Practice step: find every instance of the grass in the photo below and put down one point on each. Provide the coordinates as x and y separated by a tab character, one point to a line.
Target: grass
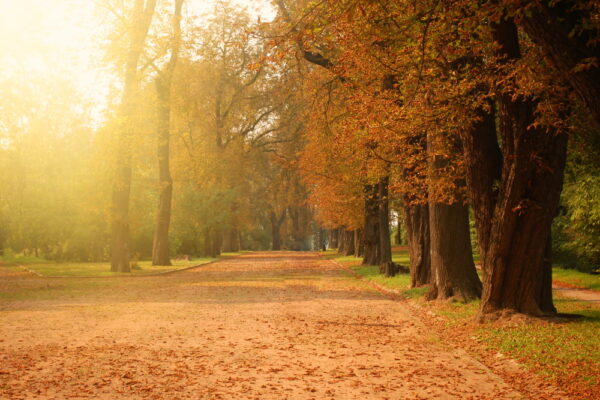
576	278
400	282
565	351
102	269
570	277
17	259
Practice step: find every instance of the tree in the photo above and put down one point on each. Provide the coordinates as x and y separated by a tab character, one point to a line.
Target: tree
120	248
376	243
517	276
160	248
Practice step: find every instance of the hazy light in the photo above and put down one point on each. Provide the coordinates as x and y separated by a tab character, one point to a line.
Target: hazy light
63	37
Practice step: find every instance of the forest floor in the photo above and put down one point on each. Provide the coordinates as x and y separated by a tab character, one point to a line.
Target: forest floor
259	326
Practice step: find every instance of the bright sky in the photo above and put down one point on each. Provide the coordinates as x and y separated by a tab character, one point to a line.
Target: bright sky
37	36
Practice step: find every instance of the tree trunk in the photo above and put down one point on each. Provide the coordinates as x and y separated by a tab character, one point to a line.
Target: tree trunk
370	239
341	241
231	240
120	215
294	215
517	274
453	273
216	243
321	242
333	238
276	222
417	233
142	16
349	243
386	265
483	166
452	267
358	246
206	250
276	237
160	247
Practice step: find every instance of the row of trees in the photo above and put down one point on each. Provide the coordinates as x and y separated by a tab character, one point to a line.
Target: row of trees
442	105
227	132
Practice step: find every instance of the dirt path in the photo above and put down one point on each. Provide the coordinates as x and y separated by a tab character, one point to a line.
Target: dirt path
261	326
586	295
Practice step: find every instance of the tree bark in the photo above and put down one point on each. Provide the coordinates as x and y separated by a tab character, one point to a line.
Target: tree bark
452	267
349	243
276	222
386	265
216	243
483	166
120	241
358	246
321	242
370	239
231	240
333	238
453	273
517	274
160	247
398	235
342	242
417	234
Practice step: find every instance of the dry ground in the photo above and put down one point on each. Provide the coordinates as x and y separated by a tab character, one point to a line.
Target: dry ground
260	326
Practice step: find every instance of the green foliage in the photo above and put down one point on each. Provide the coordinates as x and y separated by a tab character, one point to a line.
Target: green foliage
11	258
576	232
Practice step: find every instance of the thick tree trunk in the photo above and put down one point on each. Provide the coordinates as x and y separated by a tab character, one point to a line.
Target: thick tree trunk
453	273
386	266
370	239
556	28
517	274
483	166
417	234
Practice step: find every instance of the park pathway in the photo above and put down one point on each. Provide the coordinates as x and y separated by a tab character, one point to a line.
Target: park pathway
260	326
